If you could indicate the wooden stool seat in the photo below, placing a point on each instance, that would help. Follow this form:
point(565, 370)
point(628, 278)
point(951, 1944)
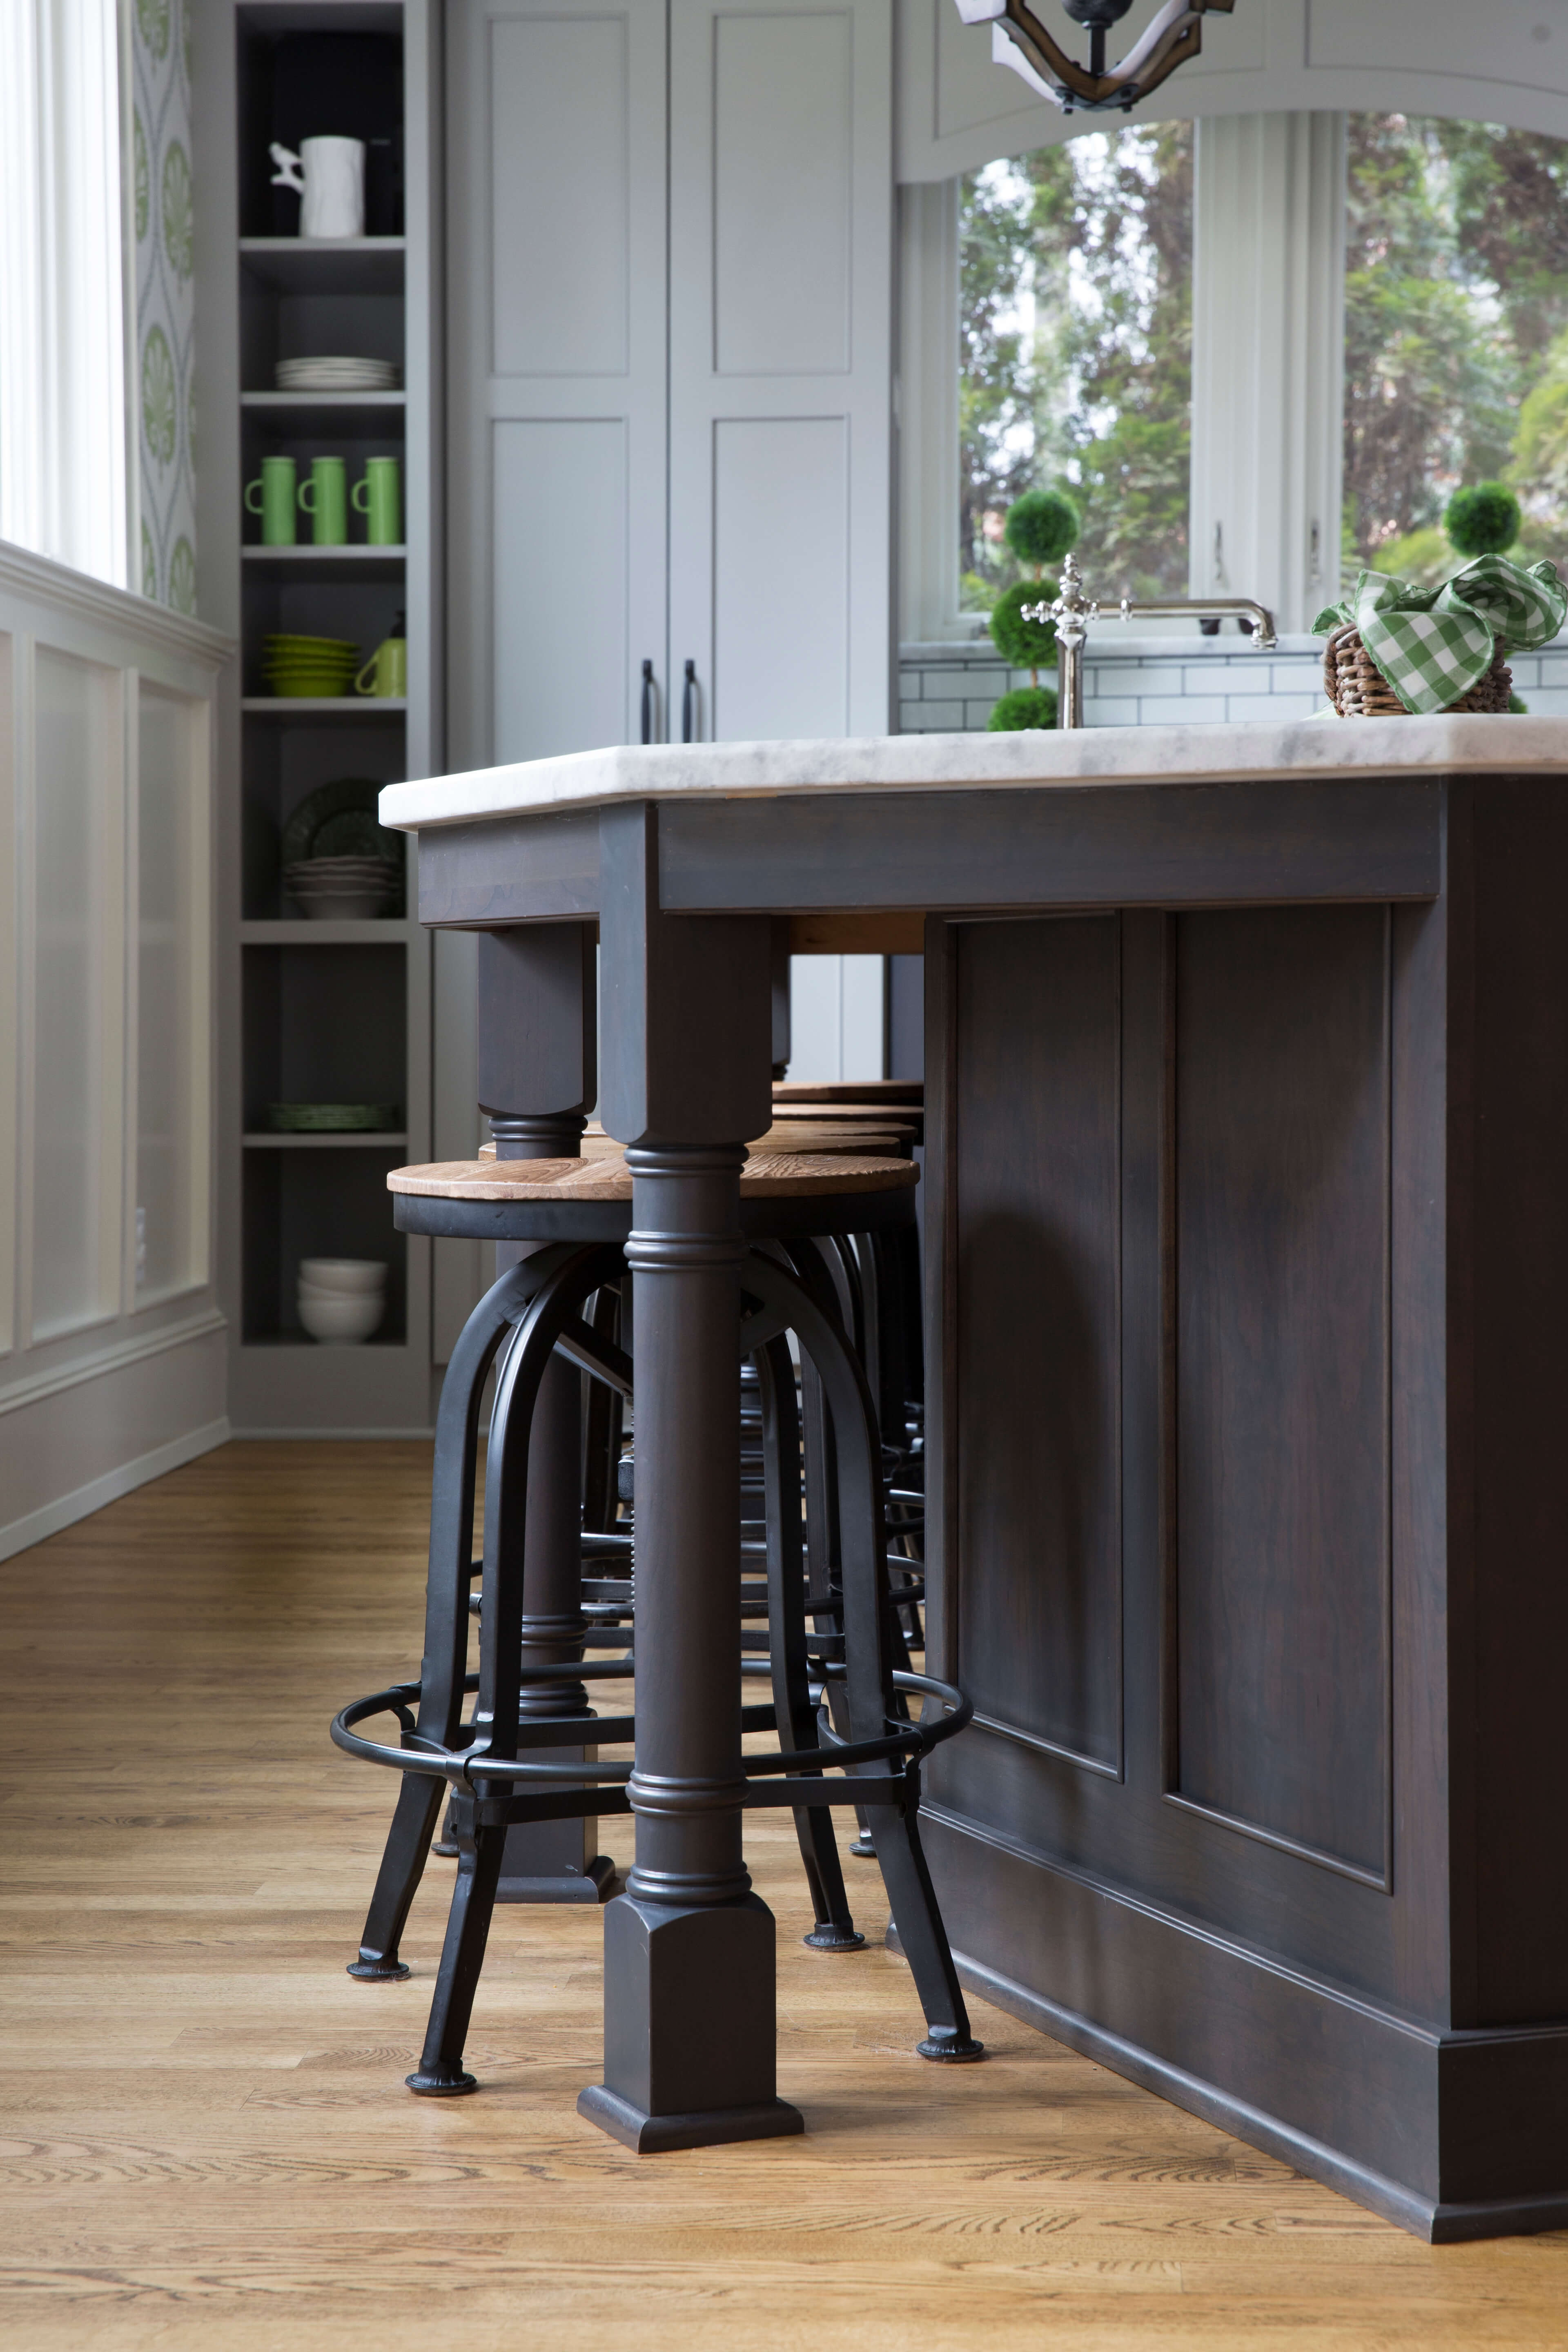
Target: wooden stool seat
point(764, 1176)
point(883, 1094)
point(884, 1140)
point(783, 1196)
point(852, 1117)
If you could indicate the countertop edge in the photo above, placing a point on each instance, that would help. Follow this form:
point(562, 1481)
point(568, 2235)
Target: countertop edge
point(1307, 750)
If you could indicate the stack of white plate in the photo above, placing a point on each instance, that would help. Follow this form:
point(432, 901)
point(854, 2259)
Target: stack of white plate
point(342, 1299)
point(341, 373)
point(341, 889)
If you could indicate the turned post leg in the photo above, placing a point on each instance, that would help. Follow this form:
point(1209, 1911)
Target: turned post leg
point(688, 1948)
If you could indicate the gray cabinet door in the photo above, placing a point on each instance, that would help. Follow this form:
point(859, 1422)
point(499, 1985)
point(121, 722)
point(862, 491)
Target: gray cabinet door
point(781, 292)
point(558, 323)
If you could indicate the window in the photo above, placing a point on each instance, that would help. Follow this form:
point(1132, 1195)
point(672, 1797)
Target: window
point(1099, 281)
point(63, 428)
point(1075, 331)
point(1455, 334)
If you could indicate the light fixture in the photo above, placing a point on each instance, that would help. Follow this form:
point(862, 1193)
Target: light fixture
point(1019, 39)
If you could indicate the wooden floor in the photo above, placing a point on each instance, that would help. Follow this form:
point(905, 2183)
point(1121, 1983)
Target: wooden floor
point(204, 2133)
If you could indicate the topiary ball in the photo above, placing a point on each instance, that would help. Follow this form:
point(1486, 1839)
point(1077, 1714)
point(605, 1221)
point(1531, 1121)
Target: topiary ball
point(1042, 527)
point(1482, 520)
point(1026, 705)
point(1024, 645)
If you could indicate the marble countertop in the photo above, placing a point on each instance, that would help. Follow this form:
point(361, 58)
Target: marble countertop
point(1226, 752)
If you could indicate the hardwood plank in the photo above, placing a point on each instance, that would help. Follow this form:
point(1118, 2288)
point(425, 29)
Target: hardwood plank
point(204, 2135)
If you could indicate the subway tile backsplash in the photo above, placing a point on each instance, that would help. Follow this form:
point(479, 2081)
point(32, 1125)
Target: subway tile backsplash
point(953, 689)
point(1150, 682)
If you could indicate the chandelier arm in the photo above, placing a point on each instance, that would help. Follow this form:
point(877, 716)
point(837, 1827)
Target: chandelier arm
point(1176, 20)
point(1049, 60)
point(1174, 37)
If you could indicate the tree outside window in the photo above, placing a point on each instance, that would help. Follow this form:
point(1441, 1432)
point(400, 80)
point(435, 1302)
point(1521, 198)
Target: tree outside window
point(1455, 334)
point(1076, 354)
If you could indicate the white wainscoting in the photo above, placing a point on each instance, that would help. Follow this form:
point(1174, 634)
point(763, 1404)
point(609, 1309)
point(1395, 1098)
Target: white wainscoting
point(111, 1356)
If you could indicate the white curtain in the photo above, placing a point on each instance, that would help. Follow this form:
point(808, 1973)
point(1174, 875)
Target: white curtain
point(65, 480)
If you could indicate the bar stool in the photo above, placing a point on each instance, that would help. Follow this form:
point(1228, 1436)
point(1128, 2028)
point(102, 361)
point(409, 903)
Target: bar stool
point(583, 1211)
point(607, 1468)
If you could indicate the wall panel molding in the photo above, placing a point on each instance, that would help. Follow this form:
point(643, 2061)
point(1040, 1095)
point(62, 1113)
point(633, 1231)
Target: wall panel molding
point(106, 702)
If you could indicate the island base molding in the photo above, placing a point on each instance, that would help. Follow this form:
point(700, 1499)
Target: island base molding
point(1452, 2136)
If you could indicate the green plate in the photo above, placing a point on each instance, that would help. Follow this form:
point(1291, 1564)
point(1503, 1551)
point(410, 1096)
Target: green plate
point(329, 806)
point(331, 1118)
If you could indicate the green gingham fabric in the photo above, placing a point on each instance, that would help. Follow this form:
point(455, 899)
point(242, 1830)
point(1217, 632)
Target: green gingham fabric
point(1432, 645)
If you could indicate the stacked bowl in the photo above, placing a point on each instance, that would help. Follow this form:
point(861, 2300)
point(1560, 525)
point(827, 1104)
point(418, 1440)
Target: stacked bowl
point(342, 1299)
point(343, 889)
point(322, 667)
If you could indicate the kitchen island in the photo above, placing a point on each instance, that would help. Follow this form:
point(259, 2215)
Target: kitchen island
point(1247, 1289)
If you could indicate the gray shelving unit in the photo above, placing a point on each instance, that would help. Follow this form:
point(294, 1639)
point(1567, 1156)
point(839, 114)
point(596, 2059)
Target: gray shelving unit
point(318, 1011)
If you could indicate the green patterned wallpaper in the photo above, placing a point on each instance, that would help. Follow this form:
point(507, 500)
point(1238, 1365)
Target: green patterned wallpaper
point(165, 305)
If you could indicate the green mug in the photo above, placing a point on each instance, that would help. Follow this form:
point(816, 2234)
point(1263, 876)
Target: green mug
point(386, 670)
point(378, 497)
point(271, 496)
point(325, 499)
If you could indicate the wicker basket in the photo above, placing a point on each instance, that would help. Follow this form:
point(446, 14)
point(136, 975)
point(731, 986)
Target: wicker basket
point(1358, 689)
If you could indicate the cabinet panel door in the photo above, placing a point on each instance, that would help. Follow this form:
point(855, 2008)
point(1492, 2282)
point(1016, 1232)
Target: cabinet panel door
point(557, 341)
point(781, 227)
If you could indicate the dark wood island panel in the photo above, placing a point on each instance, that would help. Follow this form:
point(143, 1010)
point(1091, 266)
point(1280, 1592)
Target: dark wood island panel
point(1253, 1506)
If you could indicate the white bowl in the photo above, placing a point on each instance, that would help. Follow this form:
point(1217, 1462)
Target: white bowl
point(344, 1276)
point(340, 1322)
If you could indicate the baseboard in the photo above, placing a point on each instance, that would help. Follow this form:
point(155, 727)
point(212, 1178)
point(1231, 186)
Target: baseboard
point(1449, 2223)
point(1390, 2197)
point(83, 1501)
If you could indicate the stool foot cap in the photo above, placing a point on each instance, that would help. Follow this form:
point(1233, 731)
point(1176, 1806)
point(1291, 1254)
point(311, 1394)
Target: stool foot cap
point(445, 2085)
point(447, 1848)
point(948, 2050)
point(863, 1849)
point(833, 1939)
point(377, 1972)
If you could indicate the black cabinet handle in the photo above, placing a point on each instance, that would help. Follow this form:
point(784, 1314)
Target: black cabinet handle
point(647, 694)
point(689, 703)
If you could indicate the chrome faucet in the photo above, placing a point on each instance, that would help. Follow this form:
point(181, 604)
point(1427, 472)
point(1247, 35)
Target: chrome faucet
point(1072, 612)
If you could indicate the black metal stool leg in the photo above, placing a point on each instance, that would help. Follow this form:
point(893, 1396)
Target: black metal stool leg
point(917, 1917)
point(869, 1628)
point(868, 1612)
point(441, 2074)
point(565, 1276)
point(835, 1929)
point(822, 1274)
point(445, 1662)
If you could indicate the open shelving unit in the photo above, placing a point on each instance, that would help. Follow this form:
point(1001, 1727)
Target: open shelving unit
point(328, 1010)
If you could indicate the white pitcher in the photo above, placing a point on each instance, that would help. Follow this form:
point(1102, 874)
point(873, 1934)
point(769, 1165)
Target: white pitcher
point(330, 185)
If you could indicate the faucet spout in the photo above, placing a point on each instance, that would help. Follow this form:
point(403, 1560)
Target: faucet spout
point(1207, 608)
point(1072, 611)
